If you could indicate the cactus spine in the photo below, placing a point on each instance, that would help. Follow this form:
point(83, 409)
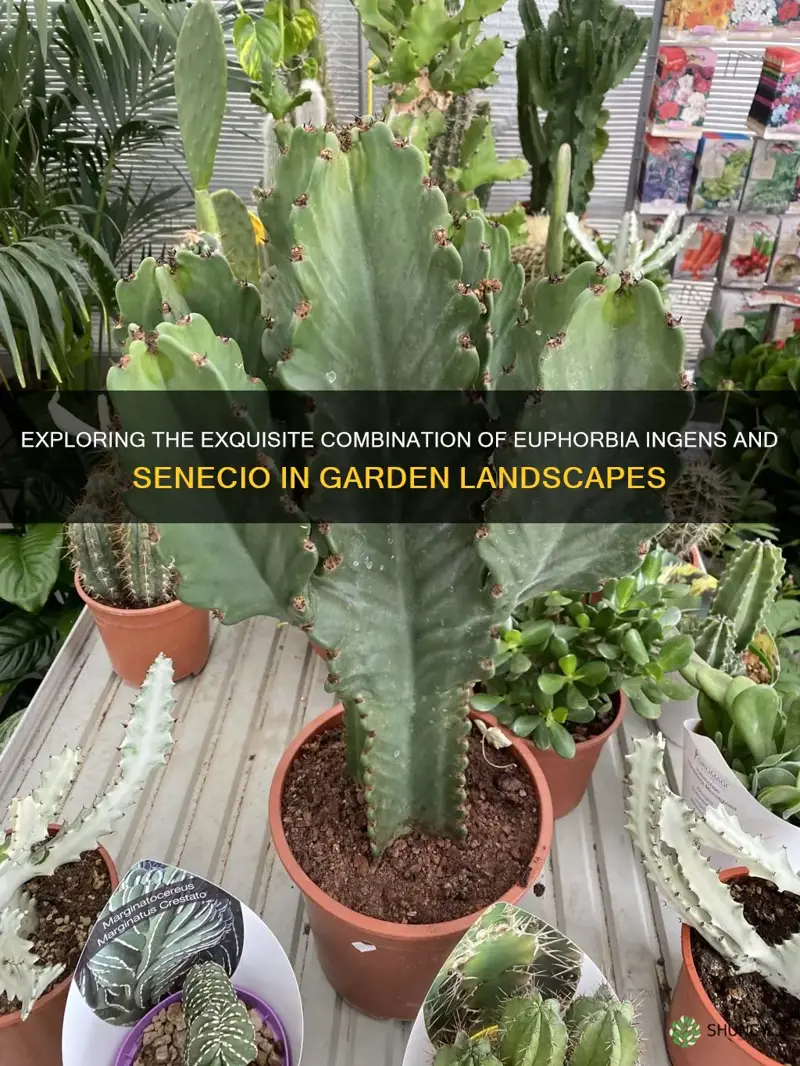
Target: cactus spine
point(743, 598)
point(148, 580)
point(93, 556)
point(219, 1030)
point(565, 68)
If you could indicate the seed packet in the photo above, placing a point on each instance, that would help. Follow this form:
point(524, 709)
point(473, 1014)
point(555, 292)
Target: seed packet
point(701, 16)
point(682, 88)
point(775, 110)
point(667, 172)
point(785, 323)
point(722, 165)
point(772, 181)
point(752, 16)
point(750, 250)
point(785, 268)
point(730, 310)
point(699, 260)
point(787, 18)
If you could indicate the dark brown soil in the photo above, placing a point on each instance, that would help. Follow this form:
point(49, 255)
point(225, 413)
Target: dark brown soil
point(419, 880)
point(766, 1018)
point(587, 730)
point(67, 906)
point(164, 1039)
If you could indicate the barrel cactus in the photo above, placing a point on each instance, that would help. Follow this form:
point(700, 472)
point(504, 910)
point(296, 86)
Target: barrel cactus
point(414, 304)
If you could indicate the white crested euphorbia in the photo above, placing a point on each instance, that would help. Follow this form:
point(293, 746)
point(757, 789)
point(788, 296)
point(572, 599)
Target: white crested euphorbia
point(30, 852)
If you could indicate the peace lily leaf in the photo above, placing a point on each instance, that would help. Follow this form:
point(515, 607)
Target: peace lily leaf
point(29, 565)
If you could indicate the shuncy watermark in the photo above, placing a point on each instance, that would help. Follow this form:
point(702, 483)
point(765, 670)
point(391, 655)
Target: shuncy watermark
point(685, 1032)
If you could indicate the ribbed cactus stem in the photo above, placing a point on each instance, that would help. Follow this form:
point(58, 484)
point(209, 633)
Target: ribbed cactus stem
point(747, 589)
point(92, 550)
point(554, 255)
point(533, 1033)
point(218, 1027)
point(602, 1033)
point(147, 579)
point(716, 644)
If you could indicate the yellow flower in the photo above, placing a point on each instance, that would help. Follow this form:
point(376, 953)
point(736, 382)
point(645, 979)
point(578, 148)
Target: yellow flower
point(258, 228)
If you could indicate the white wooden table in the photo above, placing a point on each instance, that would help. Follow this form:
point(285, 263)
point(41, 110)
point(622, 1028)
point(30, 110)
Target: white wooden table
point(207, 811)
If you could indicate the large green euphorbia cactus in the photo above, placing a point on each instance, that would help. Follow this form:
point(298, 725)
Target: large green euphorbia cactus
point(373, 289)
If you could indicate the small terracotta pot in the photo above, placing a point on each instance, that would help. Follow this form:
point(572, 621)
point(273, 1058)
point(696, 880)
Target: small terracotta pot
point(385, 969)
point(37, 1040)
point(568, 779)
point(717, 1045)
point(134, 638)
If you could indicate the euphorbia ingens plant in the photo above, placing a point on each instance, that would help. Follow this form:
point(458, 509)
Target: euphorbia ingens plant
point(563, 658)
point(29, 851)
point(415, 303)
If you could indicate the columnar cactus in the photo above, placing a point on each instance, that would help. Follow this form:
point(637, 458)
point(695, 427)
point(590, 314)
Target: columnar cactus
point(738, 612)
point(29, 852)
point(566, 68)
point(218, 1027)
point(466, 1051)
point(629, 252)
point(404, 308)
point(670, 837)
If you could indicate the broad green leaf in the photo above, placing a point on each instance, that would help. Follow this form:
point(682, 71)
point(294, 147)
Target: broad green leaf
point(481, 701)
point(593, 673)
point(562, 740)
point(526, 724)
point(675, 654)
point(29, 565)
point(25, 644)
point(551, 683)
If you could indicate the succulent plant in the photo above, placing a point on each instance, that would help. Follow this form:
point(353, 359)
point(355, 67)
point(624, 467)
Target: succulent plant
point(432, 58)
point(670, 837)
point(29, 852)
point(219, 1030)
point(565, 68)
point(706, 493)
point(630, 252)
point(738, 611)
point(563, 658)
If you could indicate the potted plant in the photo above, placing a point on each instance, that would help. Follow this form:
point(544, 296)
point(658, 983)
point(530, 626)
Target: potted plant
point(128, 585)
point(736, 1000)
point(55, 880)
point(408, 614)
point(567, 665)
point(208, 1021)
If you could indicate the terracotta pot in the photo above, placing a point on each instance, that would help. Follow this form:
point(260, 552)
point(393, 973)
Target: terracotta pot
point(717, 1045)
point(134, 638)
point(568, 779)
point(385, 969)
point(37, 1040)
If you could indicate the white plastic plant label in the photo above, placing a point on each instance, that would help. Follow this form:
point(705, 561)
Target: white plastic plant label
point(537, 958)
point(160, 921)
point(708, 781)
point(674, 713)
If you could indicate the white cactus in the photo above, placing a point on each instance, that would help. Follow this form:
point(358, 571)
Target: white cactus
point(28, 853)
point(670, 835)
point(629, 252)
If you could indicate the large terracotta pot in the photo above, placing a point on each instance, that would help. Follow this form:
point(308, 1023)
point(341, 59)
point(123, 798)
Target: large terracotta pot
point(568, 779)
point(37, 1040)
point(717, 1045)
point(382, 968)
point(134, 638)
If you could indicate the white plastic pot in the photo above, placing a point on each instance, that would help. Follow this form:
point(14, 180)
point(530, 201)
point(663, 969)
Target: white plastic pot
point(674, 713)
point(708, 781)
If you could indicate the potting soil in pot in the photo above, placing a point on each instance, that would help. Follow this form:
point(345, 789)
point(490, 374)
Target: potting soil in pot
point(67, 905)
point(764, 1017)
point(164, 1039)
point(587, 730)
point(419, 880)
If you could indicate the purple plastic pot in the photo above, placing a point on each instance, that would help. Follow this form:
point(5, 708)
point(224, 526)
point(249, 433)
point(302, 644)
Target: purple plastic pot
point(126, 1056)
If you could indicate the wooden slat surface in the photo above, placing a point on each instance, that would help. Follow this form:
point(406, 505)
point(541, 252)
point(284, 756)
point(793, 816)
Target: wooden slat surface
point(207, 810)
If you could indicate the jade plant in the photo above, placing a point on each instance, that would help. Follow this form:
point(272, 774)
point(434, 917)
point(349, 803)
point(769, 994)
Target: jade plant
point(218, 1027)
point(418, 303)
point(30, 851)
point(433, 59)
point(596, 1030)
point(757, 729)
point(562, 658)
point(670, 836)
point(565, 68)
point(422, 305)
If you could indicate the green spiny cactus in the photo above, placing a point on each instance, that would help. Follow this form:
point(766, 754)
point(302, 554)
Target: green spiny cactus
point(565, 69)
point(393, 310)
point(237, 236)
point(704, 492)
point(91, 546)
point(148, 579)
point(466, 1051)
point(743, 598)
point(602, 1033)
point(219, 1030)
point(201, 92)
point(533, 1033)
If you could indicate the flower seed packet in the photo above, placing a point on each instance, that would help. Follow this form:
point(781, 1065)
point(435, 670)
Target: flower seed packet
point(775, 110)
point(697, 16)
point(722, 165)
point(667, 172)
point(730, 310)
point(771, 184)
point(785, 268)
point(785, 323)
point(700, 258)
point(787, 18)
point(682, 88)
point(750, 250)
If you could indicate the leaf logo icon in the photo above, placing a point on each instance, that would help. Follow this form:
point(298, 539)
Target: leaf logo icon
point(685, 1032)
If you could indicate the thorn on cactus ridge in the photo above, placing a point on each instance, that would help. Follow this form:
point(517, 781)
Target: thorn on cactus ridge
point(309, 128)
point(218, 614)
point(496, 591)
point(486, 378)
point(428, 182)
point(202, 360)
point(598, 290)
point(494, 632)
point(358, 700)
point(400, 142)
point(333, 679)
point(269, 322)
point(303, 309)
point(323, 528)
point(309, 545)
point(151, 340)
point(557, 341)
point(686, 384)
point(462, 288)
point(166, 309)
point(672, 321)
point(138, 334)
point(333, 562)
point(124, 362)
point(300, 604)
point(307, 628)
point(441, 238)
point(485, 247)
point(283, 150)
point(301, 200)
point(487, 665)
point(465, 341)
point(297, 255)
point(184, 320)
point(326, 154)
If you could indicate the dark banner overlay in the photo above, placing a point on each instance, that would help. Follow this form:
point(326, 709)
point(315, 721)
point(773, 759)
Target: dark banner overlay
point(206, 457)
